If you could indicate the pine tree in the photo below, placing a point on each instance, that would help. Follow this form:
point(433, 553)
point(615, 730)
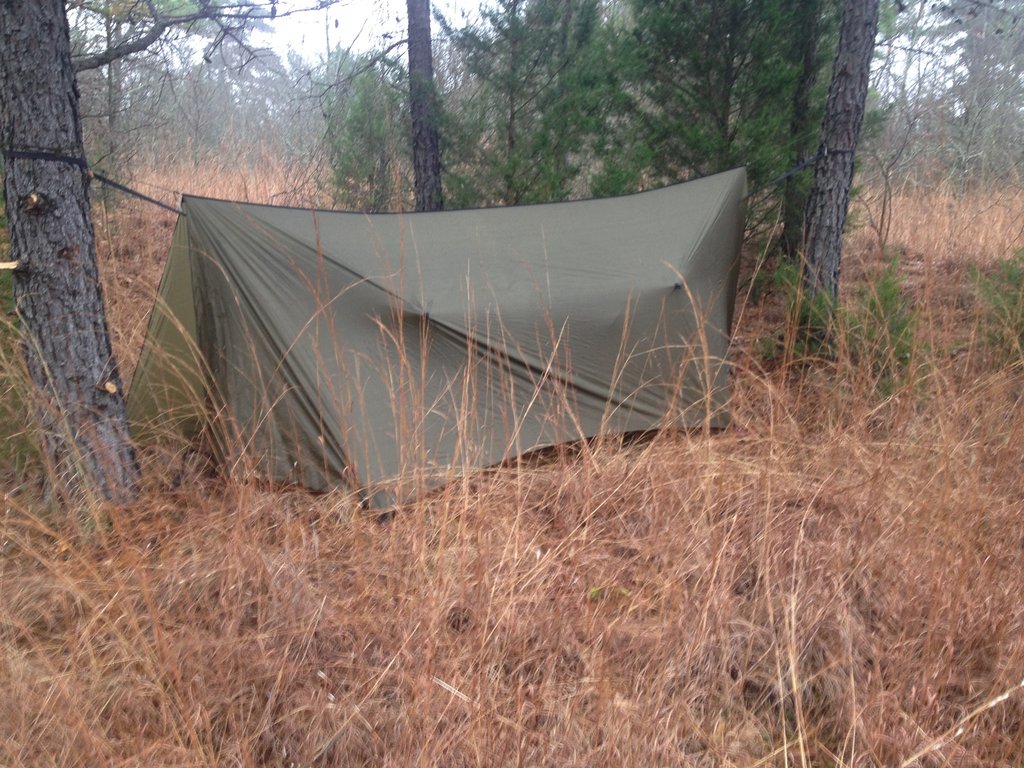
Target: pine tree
point(56, 284)
point(538, 79)
point(840, 131)
point(714, 80)
point(367, 133)
point(424, 111)
point(57, 290)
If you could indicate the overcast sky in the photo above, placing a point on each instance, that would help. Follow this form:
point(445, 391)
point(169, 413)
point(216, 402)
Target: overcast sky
point(359, 24)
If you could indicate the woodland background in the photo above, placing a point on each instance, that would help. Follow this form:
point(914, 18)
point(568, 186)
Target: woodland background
point(835, 580)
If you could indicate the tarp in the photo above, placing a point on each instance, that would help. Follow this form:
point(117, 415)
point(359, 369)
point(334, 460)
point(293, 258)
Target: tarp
point(390, 352)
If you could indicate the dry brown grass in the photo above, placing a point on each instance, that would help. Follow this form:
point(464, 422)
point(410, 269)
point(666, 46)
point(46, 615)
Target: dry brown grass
point(938, 224)
point(133, 236)
point(834, 581)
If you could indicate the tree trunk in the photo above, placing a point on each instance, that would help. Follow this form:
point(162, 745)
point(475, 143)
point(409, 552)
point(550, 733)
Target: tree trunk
point(57, 291)
point(807, 18)
point(423, 108)
point(840, 130)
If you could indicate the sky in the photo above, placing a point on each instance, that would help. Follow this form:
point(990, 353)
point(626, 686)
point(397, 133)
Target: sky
point(359, 24)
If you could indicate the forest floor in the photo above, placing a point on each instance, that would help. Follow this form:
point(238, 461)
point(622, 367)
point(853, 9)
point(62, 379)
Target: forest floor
point(834, 580)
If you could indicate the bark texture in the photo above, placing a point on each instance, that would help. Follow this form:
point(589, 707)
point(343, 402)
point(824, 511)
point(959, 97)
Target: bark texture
point(805, 50)
point(423, 108)
point(840, 130)
point(56, 284)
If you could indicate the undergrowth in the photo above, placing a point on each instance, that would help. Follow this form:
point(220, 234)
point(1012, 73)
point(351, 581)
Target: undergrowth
point(18, 446)
point(834, 580)
point(1002, 297)
point(872, 333)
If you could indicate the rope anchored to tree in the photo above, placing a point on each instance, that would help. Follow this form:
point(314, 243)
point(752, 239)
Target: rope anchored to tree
point(798, 168)
point(78, 162)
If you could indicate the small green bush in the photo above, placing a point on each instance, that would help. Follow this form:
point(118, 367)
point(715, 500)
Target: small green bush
point(876, 331)
point(810, 331)
point(1002, 297)
point(881, 328)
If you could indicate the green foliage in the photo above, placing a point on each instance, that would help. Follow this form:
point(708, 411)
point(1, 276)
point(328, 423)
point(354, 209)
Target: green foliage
point(1002, 296)
point(811, 321)
point(881, 328)
point(549, 99)
point(624, 154)
point(875, 333)
point(715, 83)
point(614, 592)
point(368, 133)
point(541, 86)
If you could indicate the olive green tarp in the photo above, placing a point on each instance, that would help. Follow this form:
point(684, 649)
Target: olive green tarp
point(390, 352)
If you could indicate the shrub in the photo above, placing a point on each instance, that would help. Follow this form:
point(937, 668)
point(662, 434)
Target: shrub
point(1002, 299)
point(874, 333)
point(880, 329)
point(809, 321)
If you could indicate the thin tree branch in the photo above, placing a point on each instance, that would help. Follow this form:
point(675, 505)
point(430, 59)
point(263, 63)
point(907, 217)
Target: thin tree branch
point(240, 12)
point(127, 48)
